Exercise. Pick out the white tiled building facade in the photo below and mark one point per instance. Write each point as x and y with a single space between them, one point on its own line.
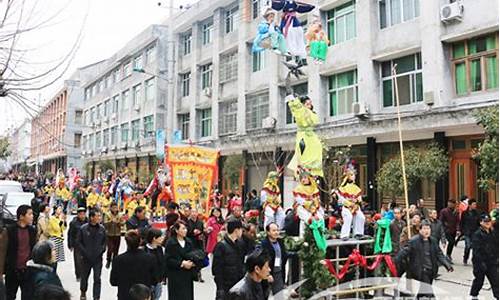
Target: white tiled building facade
229 98
207 86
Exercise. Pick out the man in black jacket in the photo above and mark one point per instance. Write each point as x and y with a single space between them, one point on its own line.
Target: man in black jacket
468 225
276 251
74 228
424 256
485 257
132 267
396 229
228 262
22 239
139 222
254 285
91 243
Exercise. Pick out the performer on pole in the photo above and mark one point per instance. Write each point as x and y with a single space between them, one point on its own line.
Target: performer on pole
308 146
159 191
271 200
349 195
307 202
291 26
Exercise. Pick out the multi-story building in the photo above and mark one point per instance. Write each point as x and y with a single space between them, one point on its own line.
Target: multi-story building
227 97
56 131
124 104
20 145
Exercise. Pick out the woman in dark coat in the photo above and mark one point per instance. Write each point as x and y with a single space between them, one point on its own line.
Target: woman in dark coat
180 270
40 271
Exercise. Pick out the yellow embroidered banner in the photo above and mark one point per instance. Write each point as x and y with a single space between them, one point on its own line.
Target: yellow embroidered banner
193 172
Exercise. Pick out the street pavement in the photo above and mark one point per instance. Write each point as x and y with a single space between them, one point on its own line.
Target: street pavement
457 283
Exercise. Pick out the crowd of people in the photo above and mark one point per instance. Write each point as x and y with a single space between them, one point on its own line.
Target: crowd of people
244 264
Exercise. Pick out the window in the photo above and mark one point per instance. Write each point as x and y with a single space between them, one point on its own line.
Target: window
78 116
91 142
409 80
150 90
94 90
127 70
342 92
87 93
86 117
299 90
231 19
257 7
150 55
205 122
475 64
185 82
124 132
228 67
106 108
116 100
99 111
148 126
138 62
207 32
257 109
135 129
392 12
85 142
77 140
108 83
116 75
206 76
258 61
227 117
92 115
105 137
114 131
125 100
136 95
184 125
100 87
98 140
186 43
341 23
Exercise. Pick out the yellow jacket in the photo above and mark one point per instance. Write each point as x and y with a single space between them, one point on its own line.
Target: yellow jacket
56 227
92 200
104 203
63 193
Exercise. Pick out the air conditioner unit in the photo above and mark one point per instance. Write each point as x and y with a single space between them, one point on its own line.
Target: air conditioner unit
359 109
124 146
113 148
137 107
268 123
451 12
207 92
429 98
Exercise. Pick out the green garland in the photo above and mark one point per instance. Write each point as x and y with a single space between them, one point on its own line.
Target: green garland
317 275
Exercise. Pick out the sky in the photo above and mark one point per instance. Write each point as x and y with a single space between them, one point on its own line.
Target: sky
106 26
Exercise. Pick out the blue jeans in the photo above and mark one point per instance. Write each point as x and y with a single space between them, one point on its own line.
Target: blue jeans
468 246
156 291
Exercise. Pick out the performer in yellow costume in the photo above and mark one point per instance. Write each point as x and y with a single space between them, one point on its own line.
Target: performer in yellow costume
349 195
92 199
307 202
308 147
270 197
